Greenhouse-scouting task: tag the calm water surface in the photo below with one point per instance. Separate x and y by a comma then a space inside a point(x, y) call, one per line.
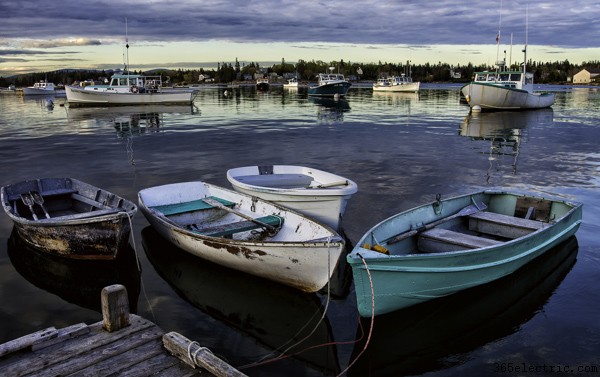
point(401, 149)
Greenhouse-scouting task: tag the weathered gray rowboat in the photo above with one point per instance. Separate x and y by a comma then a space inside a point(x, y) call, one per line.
point(67, 217)
point(318, 194)
point(441, 248)
point(244, 233)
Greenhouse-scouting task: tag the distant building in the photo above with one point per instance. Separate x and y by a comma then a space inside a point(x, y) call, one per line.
point(586, 76)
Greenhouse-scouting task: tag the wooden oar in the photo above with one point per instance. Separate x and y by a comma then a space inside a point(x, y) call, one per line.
point(217, 204)
point(469, 210)
point(28, 201)
point(39, 200)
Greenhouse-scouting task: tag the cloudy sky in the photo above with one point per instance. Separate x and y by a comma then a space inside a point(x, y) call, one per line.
point(43, 35)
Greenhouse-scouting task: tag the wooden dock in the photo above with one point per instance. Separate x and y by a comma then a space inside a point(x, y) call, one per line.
point(123, 344)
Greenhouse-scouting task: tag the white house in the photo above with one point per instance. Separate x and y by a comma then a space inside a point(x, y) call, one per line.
point(586, 76)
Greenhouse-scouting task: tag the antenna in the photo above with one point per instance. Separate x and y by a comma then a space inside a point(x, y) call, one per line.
point(127, 47)
point(498, 36)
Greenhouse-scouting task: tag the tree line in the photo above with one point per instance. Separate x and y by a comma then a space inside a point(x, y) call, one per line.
point(549, 72)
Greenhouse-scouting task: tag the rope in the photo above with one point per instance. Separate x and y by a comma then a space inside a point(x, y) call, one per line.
point(193, 356)
point(139, 267)
point(372, 318)
point(283, 355)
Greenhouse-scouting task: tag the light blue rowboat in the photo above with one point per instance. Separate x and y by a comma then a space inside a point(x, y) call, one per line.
point(449, 245)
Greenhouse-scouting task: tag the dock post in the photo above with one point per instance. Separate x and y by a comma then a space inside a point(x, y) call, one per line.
point(115, 307)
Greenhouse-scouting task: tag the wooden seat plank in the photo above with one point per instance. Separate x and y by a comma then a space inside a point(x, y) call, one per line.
point(438, 240)
point(503, 225)
point(191, 206)
point(238, 227)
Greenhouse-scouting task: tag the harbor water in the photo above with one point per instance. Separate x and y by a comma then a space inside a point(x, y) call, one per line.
point(401, 149)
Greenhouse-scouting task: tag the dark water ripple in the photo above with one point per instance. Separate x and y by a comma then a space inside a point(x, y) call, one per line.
point(401, 149)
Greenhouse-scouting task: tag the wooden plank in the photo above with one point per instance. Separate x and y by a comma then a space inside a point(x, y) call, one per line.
point(131, 356)
point(439, 240)
point(238, 227)
point(27, 341)
point(89, 355)
point(63, 334)
point(191, 206)
point(97, 338)
point(503, 225)
point(162, 364)
point(181, 346)
point(89, 201)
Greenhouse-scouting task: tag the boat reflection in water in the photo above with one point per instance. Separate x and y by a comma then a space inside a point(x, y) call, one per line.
point(429, 336)
point(275, 315)
point(329, 110)
point(79, 282)
point(129, 120)
point(505, 131)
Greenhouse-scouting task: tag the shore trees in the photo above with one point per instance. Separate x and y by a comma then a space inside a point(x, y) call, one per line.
point(550, 72)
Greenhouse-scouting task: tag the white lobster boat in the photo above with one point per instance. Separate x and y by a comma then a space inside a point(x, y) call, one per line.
point(125, 89)
point(396, 84)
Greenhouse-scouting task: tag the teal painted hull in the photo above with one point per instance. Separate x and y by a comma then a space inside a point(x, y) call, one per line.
point(407, 277)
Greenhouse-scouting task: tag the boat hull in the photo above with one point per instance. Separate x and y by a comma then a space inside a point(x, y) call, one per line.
point(297, 187)
point(83, 97)
point(330, 89)
point(407, 277)
point(72, 230)
point(402, 88)
point(494, 97)
point(38, 92)
point(302, 254)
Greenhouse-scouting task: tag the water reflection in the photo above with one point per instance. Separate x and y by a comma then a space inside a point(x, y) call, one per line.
point(128, 120)
point(76, 281)
point(425, 337)
point(504, 131)
point(330, 111)
point(396, 99)
point(277, 316)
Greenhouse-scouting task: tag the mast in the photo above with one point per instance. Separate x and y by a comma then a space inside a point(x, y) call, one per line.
point(127, 48)
point(498, 64)
point(526, 37)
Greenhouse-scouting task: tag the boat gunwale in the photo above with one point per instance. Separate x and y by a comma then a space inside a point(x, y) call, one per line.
point(350, 189)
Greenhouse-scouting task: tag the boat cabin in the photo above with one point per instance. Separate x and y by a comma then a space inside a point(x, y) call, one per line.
point(44, 85)
point(509, 79)
point(130, 84)
point(394, 80)
point(326, 77)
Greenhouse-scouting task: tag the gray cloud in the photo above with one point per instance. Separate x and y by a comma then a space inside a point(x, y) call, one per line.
point(552, 22)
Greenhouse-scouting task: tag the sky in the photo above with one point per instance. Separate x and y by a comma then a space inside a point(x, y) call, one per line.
point(45, 35)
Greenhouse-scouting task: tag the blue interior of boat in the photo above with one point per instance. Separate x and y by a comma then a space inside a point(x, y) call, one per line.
point(241, 226)
point(194, 205)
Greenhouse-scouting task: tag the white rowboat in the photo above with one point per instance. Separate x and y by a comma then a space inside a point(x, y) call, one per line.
point(244, 233)
point(315, 193)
